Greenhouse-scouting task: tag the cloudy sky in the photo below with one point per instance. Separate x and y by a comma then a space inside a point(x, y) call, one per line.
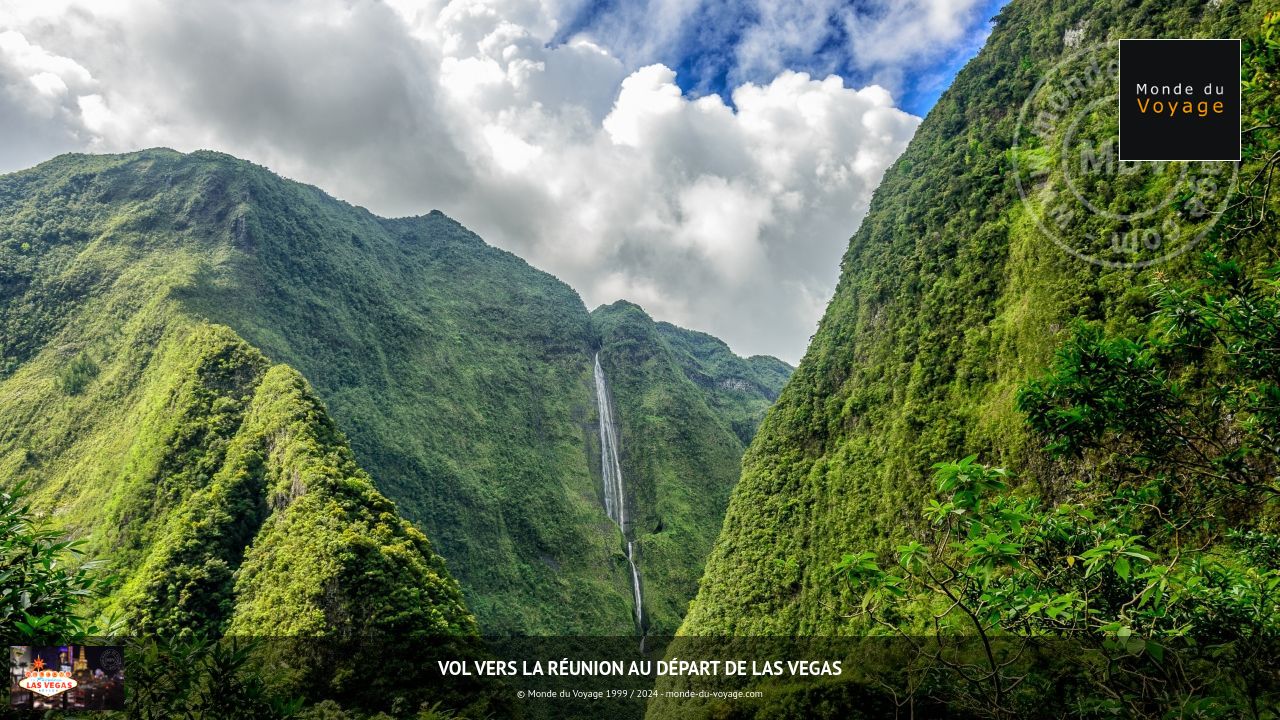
point(707, 159)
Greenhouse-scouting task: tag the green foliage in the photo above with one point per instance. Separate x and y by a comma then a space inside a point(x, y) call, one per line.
point(334, 555)
point(949, 298)
point(197, 679)
point(43, 578)
point(1260, 79)
point(1214, 440)
point(277, 484)
point(460, 376)
point(738, 389)
point(77, 374)
point(289, 534)
point(1158, 554)
point(1165, 610)
point(682, 401)
point(267, 527)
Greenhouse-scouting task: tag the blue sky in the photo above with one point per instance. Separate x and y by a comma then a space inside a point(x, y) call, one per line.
point(704, 49)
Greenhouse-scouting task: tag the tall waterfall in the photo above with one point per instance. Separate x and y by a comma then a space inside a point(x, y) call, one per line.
point(615, 497)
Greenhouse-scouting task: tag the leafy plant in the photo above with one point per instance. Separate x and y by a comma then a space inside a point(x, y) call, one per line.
point(198, 679)
point(1004, 570)
point(43, 578)
point(1156, 552)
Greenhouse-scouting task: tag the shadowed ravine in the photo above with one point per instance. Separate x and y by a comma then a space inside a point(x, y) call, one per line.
point(615, 497)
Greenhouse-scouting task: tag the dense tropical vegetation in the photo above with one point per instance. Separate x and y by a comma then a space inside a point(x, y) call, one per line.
point(1158, 561)
point(1118, 556)
point(950, 299)
point(219, 381)
point(44, 581)
point(685, 404)
point(141, 296)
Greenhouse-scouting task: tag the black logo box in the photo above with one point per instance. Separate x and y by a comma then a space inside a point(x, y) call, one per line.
point(1185, 65)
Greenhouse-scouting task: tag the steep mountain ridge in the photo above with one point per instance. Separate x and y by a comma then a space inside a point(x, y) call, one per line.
point(950, 297)
point(460, 375)
point(205, 449)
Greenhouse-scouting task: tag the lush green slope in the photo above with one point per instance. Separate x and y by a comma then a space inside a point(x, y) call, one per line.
point(182, 453)
point(681, 397)
point(949, 299)
point(738, 389)
point(288, 536)
point(461, 375)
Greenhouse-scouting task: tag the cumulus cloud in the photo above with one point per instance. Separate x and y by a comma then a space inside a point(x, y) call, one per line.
point(42, 100)
point(723, 214)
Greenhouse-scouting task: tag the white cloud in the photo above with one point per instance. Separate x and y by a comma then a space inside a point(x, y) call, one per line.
point(899, 30)
point(725, 219)
point(904, 35)
point(40, 93)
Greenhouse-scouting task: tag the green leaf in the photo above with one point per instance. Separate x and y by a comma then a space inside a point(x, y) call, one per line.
point(1155, 650)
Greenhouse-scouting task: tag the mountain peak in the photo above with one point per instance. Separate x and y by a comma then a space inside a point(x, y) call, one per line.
point(450, 375)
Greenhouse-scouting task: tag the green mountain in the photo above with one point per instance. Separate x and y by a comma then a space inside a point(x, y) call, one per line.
point(206, 370)
point(684, 402)
point(950, 298)
point(739, 390)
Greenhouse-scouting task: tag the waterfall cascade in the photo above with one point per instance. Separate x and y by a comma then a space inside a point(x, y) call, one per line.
point(615, 497)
